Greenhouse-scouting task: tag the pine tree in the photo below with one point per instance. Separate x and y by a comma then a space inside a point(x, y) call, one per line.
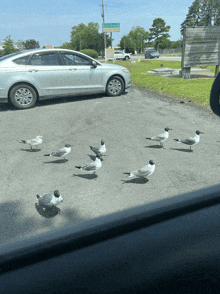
point(199, 14)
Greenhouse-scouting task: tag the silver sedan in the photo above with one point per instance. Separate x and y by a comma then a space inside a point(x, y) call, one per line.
point(31, 75)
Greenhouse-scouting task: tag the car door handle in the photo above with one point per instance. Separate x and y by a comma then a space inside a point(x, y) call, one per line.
point(34, 70)
point(72, 69)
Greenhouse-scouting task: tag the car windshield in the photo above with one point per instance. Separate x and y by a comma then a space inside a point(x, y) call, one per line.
point(13, 54)
point(150, 115)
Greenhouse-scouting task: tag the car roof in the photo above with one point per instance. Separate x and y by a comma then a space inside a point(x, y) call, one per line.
point(44, 50)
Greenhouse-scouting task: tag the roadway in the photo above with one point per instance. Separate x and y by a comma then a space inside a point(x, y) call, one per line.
point(124, 123)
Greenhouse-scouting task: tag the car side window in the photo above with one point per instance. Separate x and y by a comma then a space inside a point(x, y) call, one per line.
point(22, 60)
point(44, 59)
point(74, 59)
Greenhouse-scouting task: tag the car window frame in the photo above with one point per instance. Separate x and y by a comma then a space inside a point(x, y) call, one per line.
point(73, 249)
point(44, 53)
point(73, 53)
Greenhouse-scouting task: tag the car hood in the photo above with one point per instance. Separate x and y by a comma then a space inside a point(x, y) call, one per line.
point(113, 66)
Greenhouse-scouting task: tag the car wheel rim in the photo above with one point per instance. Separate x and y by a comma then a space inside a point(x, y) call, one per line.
point(114, 86)
point(23, 96)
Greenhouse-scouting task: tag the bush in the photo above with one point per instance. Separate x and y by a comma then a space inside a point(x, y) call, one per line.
point(90, 52)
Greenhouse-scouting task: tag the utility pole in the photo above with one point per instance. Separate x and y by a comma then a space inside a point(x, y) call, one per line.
point(211, 13)
point(103, 16)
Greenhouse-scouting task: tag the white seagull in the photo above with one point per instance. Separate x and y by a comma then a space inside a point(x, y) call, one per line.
point(33, 142)
point(49, 200)
point(92, 166)
point(162, 137)
point(99, 151)
point(191, 140)
point(61, 152)
point(143, 172)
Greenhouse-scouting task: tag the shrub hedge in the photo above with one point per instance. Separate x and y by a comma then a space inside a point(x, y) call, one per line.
point(90, 52)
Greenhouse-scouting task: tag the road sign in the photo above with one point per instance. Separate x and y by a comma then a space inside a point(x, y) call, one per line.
point(110, 27)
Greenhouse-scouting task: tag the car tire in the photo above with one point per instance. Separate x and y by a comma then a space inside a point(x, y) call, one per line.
point(23, 96)
point(126, 57)
point(115, 86)
point(215, 96)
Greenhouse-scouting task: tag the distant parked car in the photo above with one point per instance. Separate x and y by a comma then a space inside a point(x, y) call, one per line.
point(152, 54)
point(121, 55)
point(31, 75)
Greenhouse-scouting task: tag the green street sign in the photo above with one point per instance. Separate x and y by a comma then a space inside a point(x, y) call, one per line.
point(110, 27)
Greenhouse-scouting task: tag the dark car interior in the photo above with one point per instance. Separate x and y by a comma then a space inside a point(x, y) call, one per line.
point(214, 95)
point(170, 246)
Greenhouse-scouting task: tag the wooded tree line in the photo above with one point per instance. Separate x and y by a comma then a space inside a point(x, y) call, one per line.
point(200, 13)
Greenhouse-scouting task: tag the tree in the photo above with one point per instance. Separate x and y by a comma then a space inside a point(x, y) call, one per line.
point(159, 32)
point(126, 44)
point(8, 46)
point(134, 40)
point(199, 14)
point(31, 44)
point(88, 37)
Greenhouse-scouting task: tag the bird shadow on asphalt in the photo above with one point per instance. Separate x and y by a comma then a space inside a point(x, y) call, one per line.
point(135, 181)
point(183, 150)
point(154, 146)
point(31, 150)
point(48, 213)
point(93, 157)
point(57, 161)
point(16, 222)
point(86, 176)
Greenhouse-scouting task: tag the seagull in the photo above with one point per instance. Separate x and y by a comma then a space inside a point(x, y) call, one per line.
point(61, 152)
point(191, 140)
point(162, 137)
point(49, 200)
point(143, 172)
point(33, 142)
point(92, 166)
point(99, 151)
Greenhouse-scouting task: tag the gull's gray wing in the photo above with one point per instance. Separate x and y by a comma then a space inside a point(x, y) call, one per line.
point(60, 152)
point(189, 141)
point(94, 149)
point(45, 200)
point(91, 166)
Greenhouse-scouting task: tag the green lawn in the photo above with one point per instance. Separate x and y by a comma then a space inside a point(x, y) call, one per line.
point(197, 90)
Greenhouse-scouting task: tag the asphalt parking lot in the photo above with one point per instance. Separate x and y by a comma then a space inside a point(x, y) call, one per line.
point(124, 123)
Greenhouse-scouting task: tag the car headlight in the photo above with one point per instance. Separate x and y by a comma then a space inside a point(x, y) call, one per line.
point(125, 70)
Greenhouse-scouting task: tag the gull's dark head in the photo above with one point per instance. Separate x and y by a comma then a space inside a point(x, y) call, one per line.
point(68, 145)
point(198, 132)
point(167, 129)
point(56, 193)
point(98, 156)
point(102, 142)
point(151, 162)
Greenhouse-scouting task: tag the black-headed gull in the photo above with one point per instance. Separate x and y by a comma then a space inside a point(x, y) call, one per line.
point(99, 151)
point(92, 166)
point(191, 140)
point(49, 200)
point(61, 152)
point(33, 142)
point(143, 172)
point(162, 137)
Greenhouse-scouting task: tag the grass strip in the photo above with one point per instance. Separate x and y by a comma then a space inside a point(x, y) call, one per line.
point(197, 90)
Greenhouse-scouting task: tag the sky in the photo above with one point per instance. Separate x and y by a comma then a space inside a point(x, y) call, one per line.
point(50, 21)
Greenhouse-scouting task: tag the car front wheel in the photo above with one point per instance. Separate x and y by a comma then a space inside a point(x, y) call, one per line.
point(23, 96)
point(126, 57)
point(115, 86)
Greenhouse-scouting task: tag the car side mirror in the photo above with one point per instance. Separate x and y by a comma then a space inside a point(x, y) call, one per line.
point(94, 64)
